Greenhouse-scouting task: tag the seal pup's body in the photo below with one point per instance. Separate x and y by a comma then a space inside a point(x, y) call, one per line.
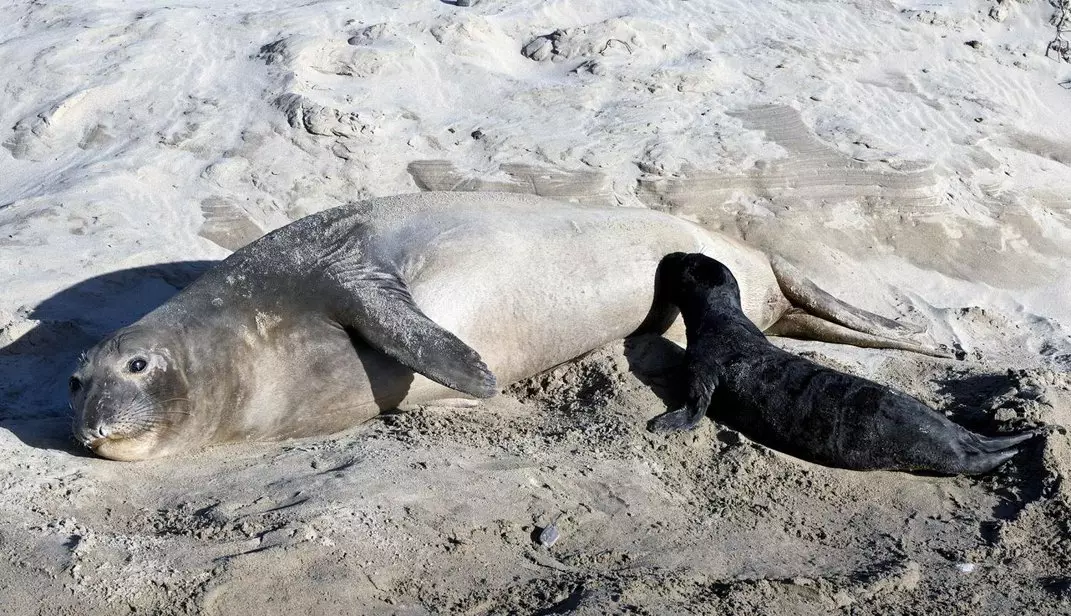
point(824, 415)
point(322, 324)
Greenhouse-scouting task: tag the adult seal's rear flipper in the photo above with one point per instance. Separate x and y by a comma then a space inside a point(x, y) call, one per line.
point(806, 295)
point(798, 324)
point(817, 315)
point(380, 308)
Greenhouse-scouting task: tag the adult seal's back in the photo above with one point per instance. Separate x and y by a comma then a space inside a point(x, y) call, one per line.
point(322, 324)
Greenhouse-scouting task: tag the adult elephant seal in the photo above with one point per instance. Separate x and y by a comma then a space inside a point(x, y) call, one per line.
point(322, 324)
point(824, 415)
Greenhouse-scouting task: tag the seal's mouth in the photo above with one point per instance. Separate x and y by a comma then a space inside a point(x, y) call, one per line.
point(96, 441)
point(92, 443)
point(138, 445)
point(92, 438)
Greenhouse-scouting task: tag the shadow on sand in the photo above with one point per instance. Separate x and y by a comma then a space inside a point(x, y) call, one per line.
point(34, 367)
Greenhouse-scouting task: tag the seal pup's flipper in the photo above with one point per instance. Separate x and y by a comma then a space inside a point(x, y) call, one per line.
point(701, 385)
point(977, 454)
point(982, 463)
point(383, 312)
point(995, 444)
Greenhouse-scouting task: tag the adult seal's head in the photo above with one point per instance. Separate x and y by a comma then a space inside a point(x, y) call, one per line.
point(130, 395)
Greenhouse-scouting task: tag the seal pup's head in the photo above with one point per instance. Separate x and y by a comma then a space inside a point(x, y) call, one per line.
point(688, 276)
point(129, 394)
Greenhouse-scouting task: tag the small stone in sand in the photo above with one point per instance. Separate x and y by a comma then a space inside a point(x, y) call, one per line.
point(550, 535)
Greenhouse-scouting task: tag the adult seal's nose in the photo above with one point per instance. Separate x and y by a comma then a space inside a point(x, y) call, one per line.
point(91, 435)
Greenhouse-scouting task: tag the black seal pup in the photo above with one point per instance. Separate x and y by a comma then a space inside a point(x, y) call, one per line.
point(824, 415)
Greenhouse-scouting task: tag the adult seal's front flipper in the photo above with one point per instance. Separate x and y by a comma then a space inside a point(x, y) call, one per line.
point(380, 308)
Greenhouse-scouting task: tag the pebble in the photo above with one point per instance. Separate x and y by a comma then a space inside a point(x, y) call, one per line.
point(550, 535)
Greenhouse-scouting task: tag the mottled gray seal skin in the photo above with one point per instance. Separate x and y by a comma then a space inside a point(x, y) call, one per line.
point(326, 322)
point(801, 407)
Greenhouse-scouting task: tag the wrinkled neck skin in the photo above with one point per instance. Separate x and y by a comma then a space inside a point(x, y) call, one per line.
point(214, 399)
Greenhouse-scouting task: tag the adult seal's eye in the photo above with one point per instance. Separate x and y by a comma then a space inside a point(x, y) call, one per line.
point(75, 385)
point(137, 364)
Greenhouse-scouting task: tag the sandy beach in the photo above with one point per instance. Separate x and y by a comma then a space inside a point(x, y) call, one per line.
point(911, 157)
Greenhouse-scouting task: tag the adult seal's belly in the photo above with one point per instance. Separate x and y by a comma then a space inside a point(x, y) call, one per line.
point(324, 323)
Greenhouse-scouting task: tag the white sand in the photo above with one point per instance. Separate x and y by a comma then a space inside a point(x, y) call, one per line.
point(902, 168)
